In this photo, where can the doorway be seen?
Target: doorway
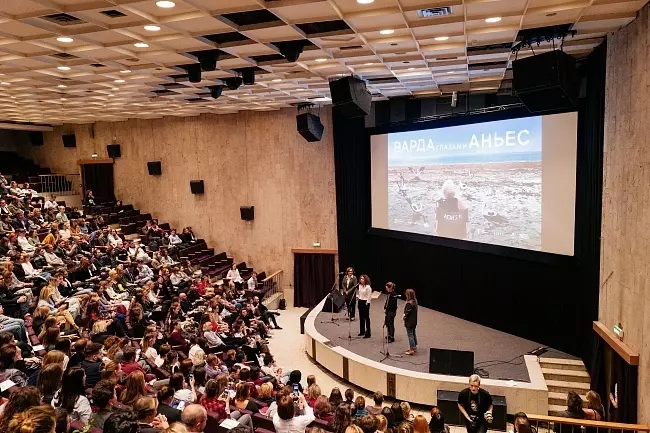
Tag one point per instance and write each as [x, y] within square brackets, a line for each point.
[313, 278]
[99, 178]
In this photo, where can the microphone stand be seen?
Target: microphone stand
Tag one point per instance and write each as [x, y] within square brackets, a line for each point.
[384, 344]
[349, 337]
[333, 320]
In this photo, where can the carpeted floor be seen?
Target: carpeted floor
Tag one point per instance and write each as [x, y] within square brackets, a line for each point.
[438, 330]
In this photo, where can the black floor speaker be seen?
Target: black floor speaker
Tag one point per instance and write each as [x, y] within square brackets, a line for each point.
[309, 126]
[350, 97]
[448, 405]
[333, 303]
[451, 362]
[546, 82]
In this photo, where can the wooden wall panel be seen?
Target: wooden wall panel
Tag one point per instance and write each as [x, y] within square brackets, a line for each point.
[625, 243]
[250, 158]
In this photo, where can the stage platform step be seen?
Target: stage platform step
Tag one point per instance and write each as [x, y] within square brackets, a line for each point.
[556, 409]
[562, 364]
[566, 375]
[564, 386]
[559, 399]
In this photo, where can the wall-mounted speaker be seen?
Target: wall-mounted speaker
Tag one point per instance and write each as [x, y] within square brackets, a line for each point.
[114, 150]
[69, 140]
[350, 97]
[36, 138]
[194, 72]
[248, 76]
[309, 126]
[154, 167]
[546, 82]
[247, 213]
[196, 186]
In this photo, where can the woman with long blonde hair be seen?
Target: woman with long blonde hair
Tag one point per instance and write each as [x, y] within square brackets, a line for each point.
[411, 320]
[595, 410]
[135, 388]
[51, 297]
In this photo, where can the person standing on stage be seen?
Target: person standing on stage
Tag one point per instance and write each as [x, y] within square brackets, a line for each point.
[411, 320]
[364, 294]
[390, 311]
[475, 404]
[349, 286]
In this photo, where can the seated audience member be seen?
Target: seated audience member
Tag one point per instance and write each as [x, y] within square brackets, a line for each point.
[123, 421]
[360, 405]
[265, 394]
[405, 427]
[437, 423]
[135, 388]
[10, 354]
[420, 425]
[103, 397]
[368, 423]
[62, 420]
[20, 399]
[313, 392]
[242, 398]
[37, 419]
[323, 410]
[349, 397]
[182, 392]
[286, 421]
[146, 409]
[387, 413]
[49, 381]
[378, 399]
[406, 411]
[520, 423]
[129, 364]
[72, 395]
[194, 417]
[335, 397]
[398, 415]
[165, 399]
[595, 410]
[93, 364]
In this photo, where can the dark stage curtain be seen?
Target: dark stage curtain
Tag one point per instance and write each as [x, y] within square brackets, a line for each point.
[99, 178]
[313, 278]
[598, 368]
[528, 298]
[625, 376]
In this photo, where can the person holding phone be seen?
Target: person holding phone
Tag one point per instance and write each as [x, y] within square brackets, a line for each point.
[287, 420]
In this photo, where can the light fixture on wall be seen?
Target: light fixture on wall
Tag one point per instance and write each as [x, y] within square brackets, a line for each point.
[94, 156]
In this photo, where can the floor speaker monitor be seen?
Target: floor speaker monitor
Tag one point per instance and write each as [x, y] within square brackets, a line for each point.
[114, 150]
[154, 167]
[196, 186]
[350, 97]
[546, 82]
[451, 362]
[309, 126]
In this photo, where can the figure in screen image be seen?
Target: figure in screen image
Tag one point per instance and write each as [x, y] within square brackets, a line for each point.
[452, 220]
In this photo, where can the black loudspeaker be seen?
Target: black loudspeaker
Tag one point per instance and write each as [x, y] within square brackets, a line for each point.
[36, 138]
[194, 73]
[247, 213]
[155, 168]
[114, 150]
[309, 126]
[448, 405]
[350, 97]
[451, 362]
[248, 77]
[69, 140]
[333, 303]
[546, 82]
[196, 186]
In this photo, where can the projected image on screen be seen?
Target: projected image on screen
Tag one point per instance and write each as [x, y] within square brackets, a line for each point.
[483, 182]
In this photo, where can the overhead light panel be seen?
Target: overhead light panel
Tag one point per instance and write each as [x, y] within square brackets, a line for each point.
[387, 31]
[441, 38]
[125, 71]
[493, 20]
[119, 81]
[141, 45]
[365, 2]
[63, 68]
[64, 39]
[321, 60]
[277, 80]
[62, 86]
[165, 4]
[152, 28]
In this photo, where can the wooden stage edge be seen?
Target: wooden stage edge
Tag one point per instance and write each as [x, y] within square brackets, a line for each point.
[417, 387]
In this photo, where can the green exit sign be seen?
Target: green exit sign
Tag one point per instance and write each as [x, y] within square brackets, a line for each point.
[316, 244]
[618, 331]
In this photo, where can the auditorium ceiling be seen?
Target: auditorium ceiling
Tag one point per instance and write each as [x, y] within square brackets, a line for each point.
[90, 60]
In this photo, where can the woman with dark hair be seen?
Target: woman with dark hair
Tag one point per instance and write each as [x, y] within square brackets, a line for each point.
[411, 320]
[323, 409]
[20, 400]
[51, 337]
[72, 395]
[242, 400]
[364, 295]
[388, 414]
[182, 393]
[398, 415]
[342, 418]
[49, 381]
[348, 286]
[9, 355]
[336, 397]
[215, 399]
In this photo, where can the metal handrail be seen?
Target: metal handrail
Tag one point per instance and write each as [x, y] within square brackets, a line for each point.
[584, 423]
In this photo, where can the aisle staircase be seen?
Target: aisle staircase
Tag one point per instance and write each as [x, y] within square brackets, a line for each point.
[562, 376]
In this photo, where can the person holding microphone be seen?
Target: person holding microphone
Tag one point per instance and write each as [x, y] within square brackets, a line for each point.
[411, 320]
[390, 311]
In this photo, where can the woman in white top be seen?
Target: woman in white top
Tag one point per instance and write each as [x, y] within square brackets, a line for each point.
[147, 349]
[72, 395]
[114, 239]
[364, 294]
[64, 231]
[188, 395]
[285, 421]
[233, 275]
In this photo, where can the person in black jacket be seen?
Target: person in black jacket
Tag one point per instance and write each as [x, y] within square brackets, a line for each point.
[411, 320]
[349, 286]
[92, 365]
[390, 311]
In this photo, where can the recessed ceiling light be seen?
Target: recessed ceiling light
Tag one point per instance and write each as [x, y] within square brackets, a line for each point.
[387, 31]
[450, 72]
[493, 20]
[277, 80]
[110, 94]
[63, 68]
[368, 64]
[152, 28]
[165, 4]
[411, 69]
[4, 83]
[64, 39]
[125, 71]
[119, 81]
[115, 88]
[141, 45]
[365, 2]
[62, 86]
[441, 38]
[321, 60]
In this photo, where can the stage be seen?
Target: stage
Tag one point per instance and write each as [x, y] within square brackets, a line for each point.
[520, 381]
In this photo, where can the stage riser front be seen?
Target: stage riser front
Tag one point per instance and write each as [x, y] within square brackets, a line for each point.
[417, 387]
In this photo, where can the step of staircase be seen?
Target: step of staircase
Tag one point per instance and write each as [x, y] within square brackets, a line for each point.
[564, 386]
[566, 375]
[559, 399]
[562, 364]
[556, 410]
